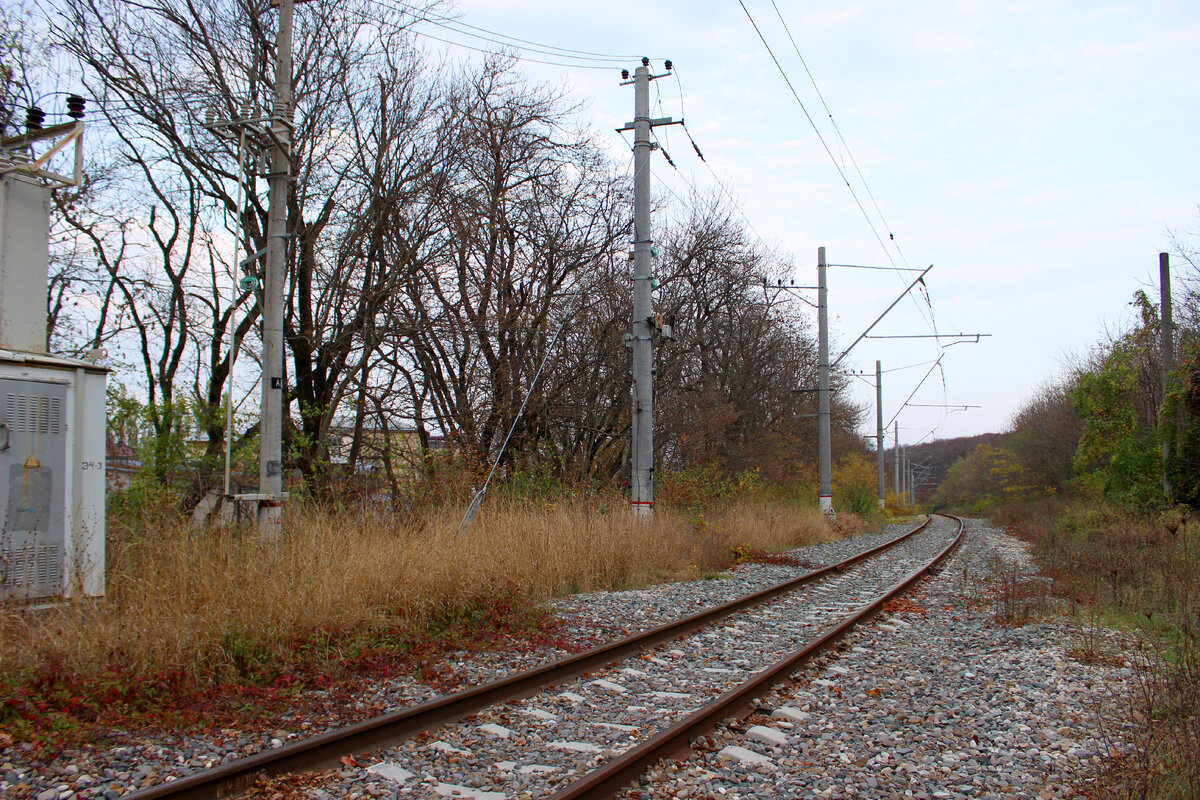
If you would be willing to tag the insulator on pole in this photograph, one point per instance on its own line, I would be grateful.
(75, 106)
(34, 117)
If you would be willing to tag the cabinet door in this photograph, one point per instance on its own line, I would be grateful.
(33, 440)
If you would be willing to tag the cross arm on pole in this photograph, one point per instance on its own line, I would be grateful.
(940, 405)
(654, 123)
(973, 338)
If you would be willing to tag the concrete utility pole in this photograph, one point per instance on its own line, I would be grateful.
(910, 474)
(824, 456)
(270, 452)
(896, 453)
(879, 434)
(1168, 348)
(642, 455)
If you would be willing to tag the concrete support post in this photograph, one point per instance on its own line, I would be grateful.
(896, 454)
(1168, 349)
(270, 454)
(879, 435)
(824, 454)
(642, 478)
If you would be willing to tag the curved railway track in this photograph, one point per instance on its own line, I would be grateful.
(763, 637)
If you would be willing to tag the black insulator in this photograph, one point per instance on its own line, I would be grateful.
(645, 61)
(624, 74)
(75, 106)
(668, 64)
(34, 117)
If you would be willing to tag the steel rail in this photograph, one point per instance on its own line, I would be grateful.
(326, 750)
(675, 742)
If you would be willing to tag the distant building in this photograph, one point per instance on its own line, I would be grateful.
(121, 462)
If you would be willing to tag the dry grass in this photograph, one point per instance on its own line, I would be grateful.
(197, 601)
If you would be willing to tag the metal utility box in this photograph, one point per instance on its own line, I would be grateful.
(52, 483)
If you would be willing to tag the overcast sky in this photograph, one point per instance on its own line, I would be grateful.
(1036, 153)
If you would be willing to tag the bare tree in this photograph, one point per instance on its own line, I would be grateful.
(156, 69)
(734, 388)
(528, 218)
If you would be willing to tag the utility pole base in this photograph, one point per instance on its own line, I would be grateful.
(825, 504)
(270, 520)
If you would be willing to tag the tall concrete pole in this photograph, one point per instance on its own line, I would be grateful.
(1168, 349)
(879, 434)
(896, 453)
(910, 474)
(642, 479)
(270, 451)
(824, 456)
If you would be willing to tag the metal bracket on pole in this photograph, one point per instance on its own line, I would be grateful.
(69, 132)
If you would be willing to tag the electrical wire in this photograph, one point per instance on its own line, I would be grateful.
(910, 366)
(510, 55)
(838, 130)
(839, 167)
(817, 131)
(914, 391)
(512, 46)
(445, 21)
(931, 321)
(547, 50)
(720, 183)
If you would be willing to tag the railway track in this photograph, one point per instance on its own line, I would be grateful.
(590, 724)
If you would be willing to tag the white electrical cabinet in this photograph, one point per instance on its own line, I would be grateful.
(52, 480)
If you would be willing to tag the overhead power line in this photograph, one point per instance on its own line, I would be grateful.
(931, 320)
(453, 24)
(523, 59)
(509, 45)
(833, 159)
(817, 131)
(838, 130)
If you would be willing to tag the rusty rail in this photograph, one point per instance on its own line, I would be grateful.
(675, 742)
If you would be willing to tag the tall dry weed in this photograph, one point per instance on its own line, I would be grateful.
(203, 602)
